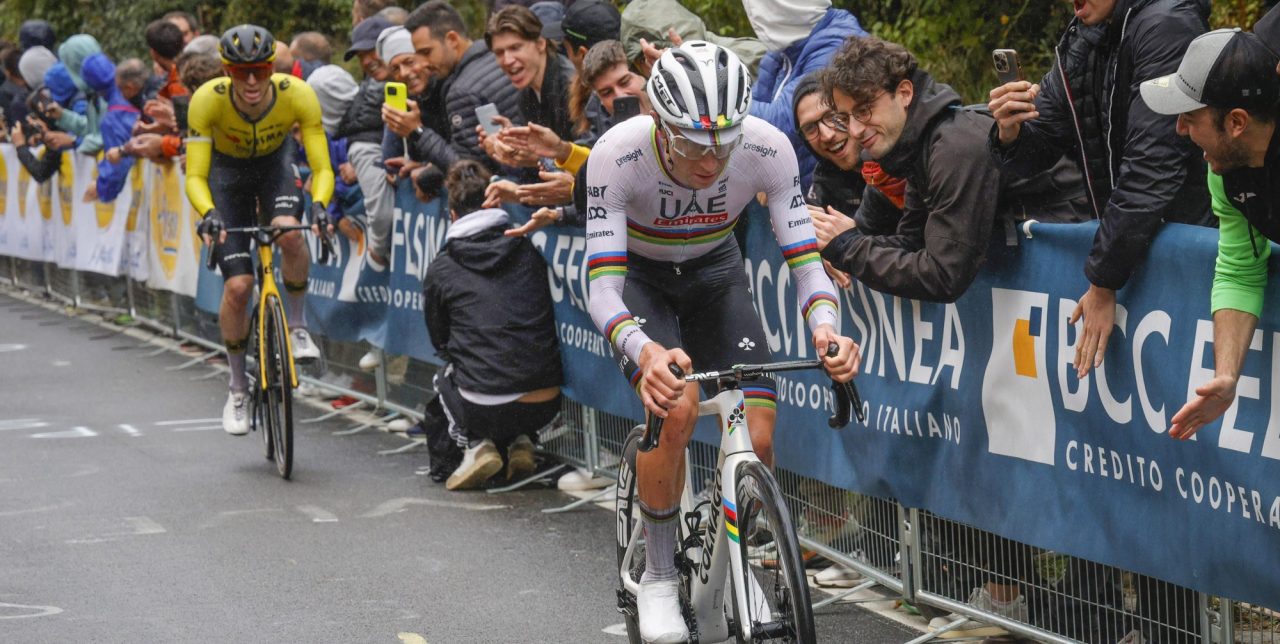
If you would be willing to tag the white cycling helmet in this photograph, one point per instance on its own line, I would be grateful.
(701, 88)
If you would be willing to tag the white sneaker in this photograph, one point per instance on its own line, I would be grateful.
(400, 425)
(1015, 610)
(1133, 637)
(235, 414)
(478, 465)
(582, 479)
(306, 390)
(303, 348)
(659, 606)
(371, 360)
(837, 576)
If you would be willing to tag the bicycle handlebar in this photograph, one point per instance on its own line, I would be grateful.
(271, 233)
(848, 402)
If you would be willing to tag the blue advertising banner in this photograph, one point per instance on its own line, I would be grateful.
(974, 411)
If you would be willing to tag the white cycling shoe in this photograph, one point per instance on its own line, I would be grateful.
(659, 606)
(303, 347)
(235, 414)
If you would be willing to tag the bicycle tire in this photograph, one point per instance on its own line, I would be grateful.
(627, 512)
(785, 589)
(279, 390)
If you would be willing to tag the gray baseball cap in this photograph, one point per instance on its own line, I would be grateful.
(1224, 68)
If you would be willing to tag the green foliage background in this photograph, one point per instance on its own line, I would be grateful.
(952, 38)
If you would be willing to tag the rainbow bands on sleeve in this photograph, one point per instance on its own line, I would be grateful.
(801, 253)
(617, 324)
(760, 396)
(819, 300)
(607, 265)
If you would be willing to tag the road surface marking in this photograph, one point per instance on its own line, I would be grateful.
(42, 611)
(193, 421)
(223, 517)
(201, 428)
(75, 432)
(22, 423)
(43, 508)
(61, 363)
(11, 347)
(139, 525)
(401, 504)
(318, 514)
(130, 430)
(616, 629)
(412, 638)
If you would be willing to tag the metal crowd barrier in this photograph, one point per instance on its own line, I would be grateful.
(907, 555)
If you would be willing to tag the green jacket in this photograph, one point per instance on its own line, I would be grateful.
(1239, 275)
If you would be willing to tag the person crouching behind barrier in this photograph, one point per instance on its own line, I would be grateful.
(489, 313)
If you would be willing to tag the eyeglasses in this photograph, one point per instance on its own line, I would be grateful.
(689, 149)
(260, 71)
(840, 120)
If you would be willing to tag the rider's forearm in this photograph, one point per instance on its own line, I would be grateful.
(1232, 332)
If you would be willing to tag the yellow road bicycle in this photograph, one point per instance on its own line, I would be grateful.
(276, 375)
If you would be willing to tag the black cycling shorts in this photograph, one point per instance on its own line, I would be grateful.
(250, 192)
(704, 307)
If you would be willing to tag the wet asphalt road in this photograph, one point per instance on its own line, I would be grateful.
(127, 515)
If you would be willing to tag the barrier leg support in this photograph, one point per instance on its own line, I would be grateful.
(532, 479)
(193, 362)
(412, 445)
(846, 592)
(333, 414)
(584, 501)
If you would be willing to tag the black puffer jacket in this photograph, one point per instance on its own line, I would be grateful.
(953, 190)
(1138, 171)
(474, 81)
(362, 122)
(489, 311)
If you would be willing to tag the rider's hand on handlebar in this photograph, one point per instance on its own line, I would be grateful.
(320, 219)
(659, 388)
(844, 365)
(211, 226)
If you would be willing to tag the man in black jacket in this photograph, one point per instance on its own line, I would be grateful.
(489, 312)
(914, 130)
(1138, 171)
(466, 75)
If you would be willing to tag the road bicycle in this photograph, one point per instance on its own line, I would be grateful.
(271, 349)
(744, 507)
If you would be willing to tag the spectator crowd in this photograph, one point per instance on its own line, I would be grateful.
(907, 187)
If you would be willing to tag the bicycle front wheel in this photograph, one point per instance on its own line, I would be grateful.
(279, 390)
(627, 516)
(778, 607)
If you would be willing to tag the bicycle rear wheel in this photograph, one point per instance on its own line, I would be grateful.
(778, 607)
(279, 390)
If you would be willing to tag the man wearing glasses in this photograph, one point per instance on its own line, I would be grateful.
(665, 273)
(912, 127)
(239, 167)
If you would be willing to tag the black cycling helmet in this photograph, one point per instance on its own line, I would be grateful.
(246, 45)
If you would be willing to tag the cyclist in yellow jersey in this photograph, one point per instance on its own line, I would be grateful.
(240, 172)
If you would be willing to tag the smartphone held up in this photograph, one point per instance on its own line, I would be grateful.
(1008, 69)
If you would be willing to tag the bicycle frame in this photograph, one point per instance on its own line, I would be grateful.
(718, 560)
(267, 286)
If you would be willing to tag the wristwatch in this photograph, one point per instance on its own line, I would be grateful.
(417, 132)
